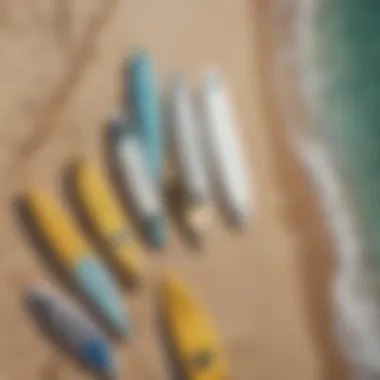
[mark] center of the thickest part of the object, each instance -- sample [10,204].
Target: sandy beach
[267,288]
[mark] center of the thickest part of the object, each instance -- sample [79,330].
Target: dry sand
[60,75]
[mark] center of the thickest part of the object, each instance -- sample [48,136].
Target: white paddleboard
[224,148]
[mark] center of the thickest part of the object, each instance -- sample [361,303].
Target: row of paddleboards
[195,342]
[183,138]
[190,331]
[194,145]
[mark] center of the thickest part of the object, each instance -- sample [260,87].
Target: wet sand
[267,289]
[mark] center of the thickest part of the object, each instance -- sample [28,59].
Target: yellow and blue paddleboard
[109,221]
[196,344]
[76,256]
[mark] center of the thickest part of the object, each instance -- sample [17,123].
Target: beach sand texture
[267,289]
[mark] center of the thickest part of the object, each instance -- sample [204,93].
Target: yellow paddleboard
[76,256]
[196,344]
[62,236]
[108,220]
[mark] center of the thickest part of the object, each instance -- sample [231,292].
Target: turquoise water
[348,38]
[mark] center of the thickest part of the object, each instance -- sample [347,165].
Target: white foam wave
[355,321]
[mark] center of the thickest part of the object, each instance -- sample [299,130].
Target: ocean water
[346,52]
[338,57]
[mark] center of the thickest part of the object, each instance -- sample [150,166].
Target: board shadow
[174,194]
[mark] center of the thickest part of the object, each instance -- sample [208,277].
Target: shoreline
[316,269]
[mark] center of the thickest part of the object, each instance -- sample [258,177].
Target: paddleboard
[73,330]
[108,220]
[139,185]
[224,148]
[187,147]
[75,255]
[191,332]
